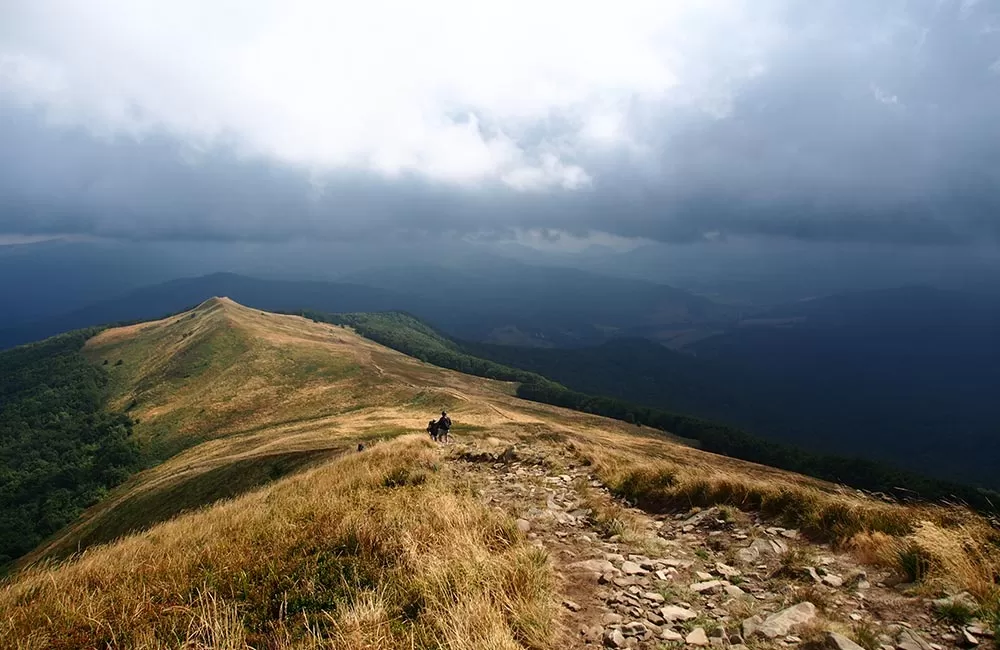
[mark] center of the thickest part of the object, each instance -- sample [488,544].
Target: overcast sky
[853,120]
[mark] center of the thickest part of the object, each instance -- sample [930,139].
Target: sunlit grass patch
[377,549]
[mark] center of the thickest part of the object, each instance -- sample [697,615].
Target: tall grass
[379,549]
[947,549]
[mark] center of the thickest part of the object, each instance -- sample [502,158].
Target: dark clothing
[444,423]
[432,428]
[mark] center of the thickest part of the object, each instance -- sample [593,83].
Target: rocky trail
[714,578]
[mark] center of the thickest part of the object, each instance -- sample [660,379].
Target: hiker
[432,428]
[444,427]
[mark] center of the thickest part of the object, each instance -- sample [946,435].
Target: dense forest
[410,336]
[61,449]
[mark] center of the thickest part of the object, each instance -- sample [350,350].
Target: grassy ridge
[381,549]
[62,449]
[412,337]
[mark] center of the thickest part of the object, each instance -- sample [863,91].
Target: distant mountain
[549,306]
[44,279]
[908,375]
[176,295]
[757,273]
[535,305]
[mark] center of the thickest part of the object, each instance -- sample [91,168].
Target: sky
[862,121]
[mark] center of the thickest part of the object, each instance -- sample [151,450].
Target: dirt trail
[706,578]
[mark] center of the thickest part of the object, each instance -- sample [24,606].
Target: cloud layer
[846,120]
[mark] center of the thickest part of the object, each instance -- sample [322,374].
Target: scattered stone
[706,587]
[836,641]
[968,639]
[697,637]
[780,623]
[571,606]
[670,635]
[701,575]
[635,628]
[812,574]
[614,638]
[611,619]
[734,591]
[523,525]
[595,565]
[672,613]
[833,580]
[978,630]
[653,597]
[751,625]
[910,640]
[726,571]
[790,534]
[592,633]
[748,555]
[856,617]
[631,568]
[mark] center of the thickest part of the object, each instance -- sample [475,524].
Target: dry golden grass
[379,549]
[947,548]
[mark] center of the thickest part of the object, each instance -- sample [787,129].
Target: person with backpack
[444,427]
[432,428]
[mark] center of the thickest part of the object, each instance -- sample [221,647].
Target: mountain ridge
[480,543]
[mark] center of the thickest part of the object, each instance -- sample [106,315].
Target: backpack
[445,423]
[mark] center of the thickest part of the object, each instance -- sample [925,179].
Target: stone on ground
[836,641]
[781,623]
[697,637]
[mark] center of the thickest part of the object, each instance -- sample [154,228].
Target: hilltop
[258,523]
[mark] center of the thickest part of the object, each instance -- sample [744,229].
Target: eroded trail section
[703,578]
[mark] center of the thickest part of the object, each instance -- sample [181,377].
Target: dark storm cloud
[865,122]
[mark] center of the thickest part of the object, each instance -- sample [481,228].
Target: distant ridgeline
[411,336]
[61,450]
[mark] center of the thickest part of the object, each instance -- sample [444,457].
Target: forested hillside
[61,449]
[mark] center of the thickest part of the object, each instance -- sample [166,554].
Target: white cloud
[451,90]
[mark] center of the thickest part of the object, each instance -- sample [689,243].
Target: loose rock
[910,640]
[836,641]
[673,613]
[781,623]
[631,568]
[595,565]
[708,586]
[697,637]
[614,639]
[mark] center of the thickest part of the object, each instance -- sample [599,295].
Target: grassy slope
[375,550]
[256,387]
